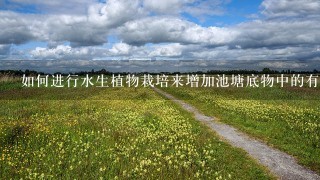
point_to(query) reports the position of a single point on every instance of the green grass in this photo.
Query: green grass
(113, 133)
(287, 118)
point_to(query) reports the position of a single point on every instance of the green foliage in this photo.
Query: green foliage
(287, 118)
(127, 133)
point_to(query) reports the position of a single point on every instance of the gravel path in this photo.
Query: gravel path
(279, 163)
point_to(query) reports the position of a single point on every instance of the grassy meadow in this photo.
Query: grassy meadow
(113, 133)
(287, 118)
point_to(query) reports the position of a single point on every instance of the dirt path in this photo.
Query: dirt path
(279, 163)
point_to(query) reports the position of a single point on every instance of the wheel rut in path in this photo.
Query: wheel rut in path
(281, 164)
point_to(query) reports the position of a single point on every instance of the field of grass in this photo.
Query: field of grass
(111, 133)
(287, 118)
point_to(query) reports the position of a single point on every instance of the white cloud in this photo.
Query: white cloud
(289, 8)
(169, 50)
(19, 29)
(166, 29)
(289, 29)
(14, 29)
(121, 49)
(277, 33)
(114, 12)
(61, 52)
(80, 30)
(4, 49)
(77, 30)
(224, 53)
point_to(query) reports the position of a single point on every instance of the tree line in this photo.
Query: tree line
(28, 72)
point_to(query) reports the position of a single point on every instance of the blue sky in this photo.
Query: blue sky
(167, 29)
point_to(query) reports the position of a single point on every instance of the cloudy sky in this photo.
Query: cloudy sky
(160, 29)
